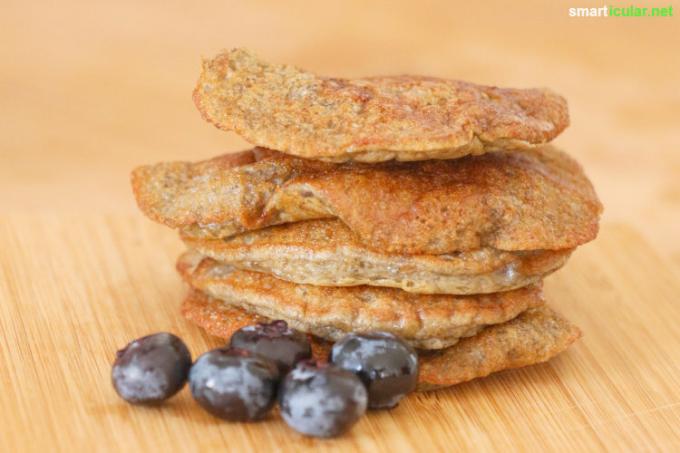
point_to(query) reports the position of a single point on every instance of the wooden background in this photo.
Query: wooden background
(90, 89)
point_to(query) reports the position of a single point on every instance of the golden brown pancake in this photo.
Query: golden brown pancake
(326, 253)
(539, 200)
(424, 321)
(534, 336)
(372, 119)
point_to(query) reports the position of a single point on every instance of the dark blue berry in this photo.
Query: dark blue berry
(151, 369)
(322, 400)
(387, 365)
(234, 384)
(275, 341)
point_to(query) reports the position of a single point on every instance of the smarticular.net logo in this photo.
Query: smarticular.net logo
(622, 11)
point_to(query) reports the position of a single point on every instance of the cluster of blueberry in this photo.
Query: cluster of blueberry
(269, 361)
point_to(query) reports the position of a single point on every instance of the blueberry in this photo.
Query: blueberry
(151, 369)
(320, 399)
(275, 341)
(387, 365)
(234, 384)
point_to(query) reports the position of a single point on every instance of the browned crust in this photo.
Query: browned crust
(371, 119)
(539, 200)
(222, 320)
(534, 336)
(430, 321)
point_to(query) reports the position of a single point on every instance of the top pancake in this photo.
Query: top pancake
(538, 200)
(372, 119)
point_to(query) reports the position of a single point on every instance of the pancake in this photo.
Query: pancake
(326, 253)
(424, 321)
(371, 119)
(504, 200)
(534, 336)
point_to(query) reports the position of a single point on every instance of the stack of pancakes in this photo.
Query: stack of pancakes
(428, 208)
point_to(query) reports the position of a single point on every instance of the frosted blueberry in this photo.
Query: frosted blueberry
(387, 366)
(151, 369)
(275, 341)
(234, 384)
(321, 400)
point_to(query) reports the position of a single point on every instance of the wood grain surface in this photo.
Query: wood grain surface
(90, 89)
(76, 288)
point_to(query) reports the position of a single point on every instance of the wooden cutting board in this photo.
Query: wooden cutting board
(75, 289)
